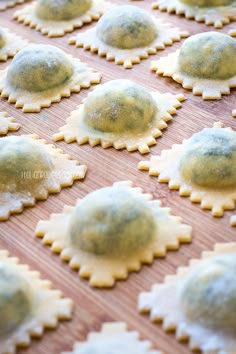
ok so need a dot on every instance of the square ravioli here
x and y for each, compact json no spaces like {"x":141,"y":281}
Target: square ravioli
{"x":122,"y":114}
{"x":30,"y":170}
{"x":127,"y":34}
{"x":184,"y":168}
{"x":199,"y":302}
{"x":56,"y":18}
{"x":212,"y":12}
{"x":204,"y":64}
{"x":28,"y":305}
{"x":113,"y":339}
{"x":10,"y":44}
{"x":7,"y":124}
{"x":111,"y":232}
{"x":42,"y":74}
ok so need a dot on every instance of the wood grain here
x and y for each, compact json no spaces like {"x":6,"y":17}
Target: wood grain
{"x":93,"y":307}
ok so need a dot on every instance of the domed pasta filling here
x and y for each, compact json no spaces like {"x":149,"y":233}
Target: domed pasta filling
{"x":119,"y":106}
{"x":207,"y":3}
{"x":2,"y":39}
{"x":24,"y":163}
{"x":127,"y":27}
{"x":208,"y":295}
{"x":209,"y":158}
{"x":39,"y":67}
{"x":62,"y":10}
{"x":112,"y":221}
{"x":15,"y":299}
{"x":208,"y":55}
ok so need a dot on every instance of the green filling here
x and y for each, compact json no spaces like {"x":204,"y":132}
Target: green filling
{"x":207,"y":3}
{"x":62,"y":10}
{"x":208,"y":55}
{"x":112,"y":221}
{"x":24,"y":163}
{"x":119,"y":106}
{"x":208,"y":294}
{"x":127,"y":27}
{"x":15,"y":299}
{"x":39,"y":67}
{"x":209,"y":158}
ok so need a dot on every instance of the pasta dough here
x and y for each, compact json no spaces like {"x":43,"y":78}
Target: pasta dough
{"x":120,"y":113}
{"x":7,"y":123}
{"x":113,"y":231}
{"x":205,"y":63}
{"x":41,"y":74}
{"x":184,"y":168}
{"x":10,"y":44}
{"x":127,"y":34}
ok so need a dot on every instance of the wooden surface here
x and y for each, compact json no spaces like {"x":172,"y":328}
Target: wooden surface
{"x":93,"y":307}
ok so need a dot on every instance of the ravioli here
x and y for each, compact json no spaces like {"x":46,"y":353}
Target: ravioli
{"x":122,"y":114}
{"x":10,"y":44}
{"x":7,"y":123}
{"x":184,"y":168}
{"x":111,"y":232}
{"x":205,"y":63}
{"x":127,"y":34}
{"x":27,"y":305}
{"x":115,"y":339}
{"x":213,"y":12}
{"x":56,"y":18}
{"x":41,"y":74}
{"x":30,"y":170}
{"x":199,"y":302}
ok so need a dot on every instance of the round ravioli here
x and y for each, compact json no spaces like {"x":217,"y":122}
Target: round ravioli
{"x":127,"y":27}
{"x":15,"y":299}
{"x":24,"y":163}
{"x":208,"y":55}
{"x":62,"y":10}
{"x":208,"y":294}
{"x":38,"y":68}
{"x":209,"y":158}
{"x":119,"y":106}
{"x":207,"y":3}
{"x":112,"y":221}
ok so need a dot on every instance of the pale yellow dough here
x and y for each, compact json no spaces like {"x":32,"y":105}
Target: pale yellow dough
{"x":114,"y":338}
{"x":7,"y":124}
{"x":56,"y":75}
{"x":216,"y":192}
{"x":10,"y":44}
{"x":53,"y":28}
{"x":110,"y":116}
{"x":165,"y":35}
{"x":234,"y":113}
{"x":28,"y":305}
{"x":31,"y":169}
{"x":5,"y":4}
{"x":205,"y":64}
{"x":209,"y":327}
{"x":104,"y":247}
{"x":217,"y":16}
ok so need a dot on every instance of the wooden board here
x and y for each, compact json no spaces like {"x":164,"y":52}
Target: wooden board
{"x":93,"y":307}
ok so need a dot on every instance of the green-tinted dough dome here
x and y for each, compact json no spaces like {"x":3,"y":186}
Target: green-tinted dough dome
{"x":208,"y":294}
{"x":207,"y":3}
{"x":39,"y":67}
{"x":119,"y":106}
{"x":127,"y":27}
{"x":23,"y":162}
{"x":62,"y":10}
{"x":112,"y":220}
{"x":2,"y":38}
{"x":208,"y":55}
{"x":15,"y":299}
{"x":209,"y":158}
